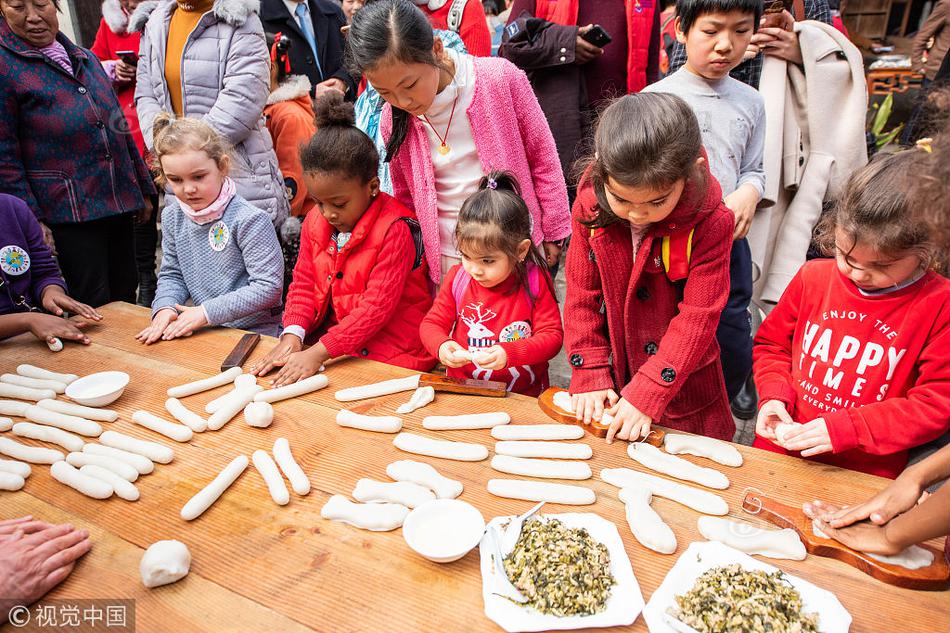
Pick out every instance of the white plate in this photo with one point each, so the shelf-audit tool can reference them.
(443, 530)
(99, 389)
(701, 556)
(623, 605)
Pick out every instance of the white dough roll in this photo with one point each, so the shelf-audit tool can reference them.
(548, 450)
(541, 491)
(720, 452)
(689, 496)
(25, 393)
(425, 475)
(177, 432)
(378, 424)
(275, 483)
(11, 481)
(34, 383)
(117, 466)
(402, 492)
(421, 445)
(645, 524)
(204, 384)
(123, 488)
(378, 389)
(747, 538)
(79, 411)
(64, 421)
(89, 486)
(541, 468)
(6, 424)
(49, 434)
(31, 371)
(299, 388)
(420, 398)
(465, 422)
(378, 517)
(139, 462)
(152, 450)
(542, 432)
(17, 468)
(210, 493)
(285, 459)
(14, 407)
(232, 405)
(32, 454)
(184, 415)
(655, 459)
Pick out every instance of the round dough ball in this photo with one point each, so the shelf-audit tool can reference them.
(164, 562)
(55, 345)
(259, 414)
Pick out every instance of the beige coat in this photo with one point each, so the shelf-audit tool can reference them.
(815, 122)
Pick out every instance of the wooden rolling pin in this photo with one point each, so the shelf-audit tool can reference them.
(556, 413)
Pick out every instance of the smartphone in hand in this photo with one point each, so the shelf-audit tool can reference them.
(129, 57)
(597, 36)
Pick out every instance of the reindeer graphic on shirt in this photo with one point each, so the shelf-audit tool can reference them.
(481, 338)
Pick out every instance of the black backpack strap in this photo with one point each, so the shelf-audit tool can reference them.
(416, 231)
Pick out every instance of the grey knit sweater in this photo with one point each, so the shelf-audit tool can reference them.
(233, 267)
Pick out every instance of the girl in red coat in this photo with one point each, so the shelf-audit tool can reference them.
(360, 286)
(496, 317)
(857, 351)
(648, 275)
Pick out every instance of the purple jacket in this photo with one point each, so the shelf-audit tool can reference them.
(64, 145)
(26, 262)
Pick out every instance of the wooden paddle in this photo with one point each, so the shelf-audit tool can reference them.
(931, 578)
(465, 386)
(556, 413)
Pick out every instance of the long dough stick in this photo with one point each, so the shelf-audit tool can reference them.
(655, 459)
(379, 517)
(17, 468)
(210, 493)
(402, 492)
(538, 432)
(71, 423)
(467, 421)
(79, 411)
(89, 486)
(119, 467)
(139, 462)
(541, 491)
(543, 468)
(299, 388)
(747, 538)
(11, 481)
(275, 483)
(32, 454)
(184, 415)
(548, 450)
(204, 384)
(153, 450)
(293, 471)
(420, 398)
(49, 434)
(177, 432)
(721, 452)
(421, 445)
(377, 389)
(25, 393)
(425, 475)
(645, 523)
(14, 407)
(31, 371)
(379, 424)
(34, 383)
(6, 424)
(244, 381)
(123, 488)
(699, 500)
(233, 405)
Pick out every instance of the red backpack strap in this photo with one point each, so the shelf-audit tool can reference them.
(460, 285)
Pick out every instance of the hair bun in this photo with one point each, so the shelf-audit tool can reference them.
(500, 181)
(162, 121)
(331, 110)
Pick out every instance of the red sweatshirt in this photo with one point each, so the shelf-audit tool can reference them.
(473, 29)
(877, 369)
(530, 334)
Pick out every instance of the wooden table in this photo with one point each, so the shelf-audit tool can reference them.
(257, 566)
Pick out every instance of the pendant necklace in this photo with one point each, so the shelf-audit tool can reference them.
(444, 147)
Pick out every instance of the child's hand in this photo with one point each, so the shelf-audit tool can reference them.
(453, 355)
(47, 327)
(771, 414)
(864, 537)
(159, 322)
(589, 406)
(495, 357)
(811, 438)
(189, 319)
(629, 423)
(742, 202)
(55, 301)
(301, 365)
(278, 355)
(897, 498)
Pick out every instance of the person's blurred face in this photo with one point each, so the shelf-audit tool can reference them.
(350, 7)
(129, 5)
(33, 21)
(716, 42)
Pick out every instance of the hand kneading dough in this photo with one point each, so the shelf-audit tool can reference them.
(541, 491)
(421, 445)
(402, 492)
(468, 421)
(781, 430)
(721, 452)
(378, 517)
(645, 523)
(164, 562)
(425, 475)
(699, 500)
(538, 432)
(378, 424)
(747, 538)
(914, 557)
(420, 398)
(545, 450)
(655, 459)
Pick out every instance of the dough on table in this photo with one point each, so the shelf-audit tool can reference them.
(164, 562)
(378, 517)
(750, 539)
(914, 557)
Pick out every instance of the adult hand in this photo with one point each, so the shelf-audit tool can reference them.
(589, 406)
(771, 414)
(56, 301)
(34, 558)
(453, 355)
(811, 438)
(629, 423)
(47, 327)
(333, 84)
(776, 37)
(742, 202)
(301, 365)
(48, 238)
(494, 358)
(124, 73)
(278, 355)
(155, 329)
(584, 51)
(552, 253)
(190, 318)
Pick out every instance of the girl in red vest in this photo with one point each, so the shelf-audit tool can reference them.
(360, 286)
(648, 275)
(496, 317)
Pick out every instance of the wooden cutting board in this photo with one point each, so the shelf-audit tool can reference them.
(556, 413)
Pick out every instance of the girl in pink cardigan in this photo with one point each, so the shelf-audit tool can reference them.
(448, 119)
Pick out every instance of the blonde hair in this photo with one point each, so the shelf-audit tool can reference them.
(173, 136)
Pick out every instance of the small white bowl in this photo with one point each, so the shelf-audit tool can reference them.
(98, 390)
(443, 530)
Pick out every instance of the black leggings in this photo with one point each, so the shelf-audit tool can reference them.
(145, 239)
